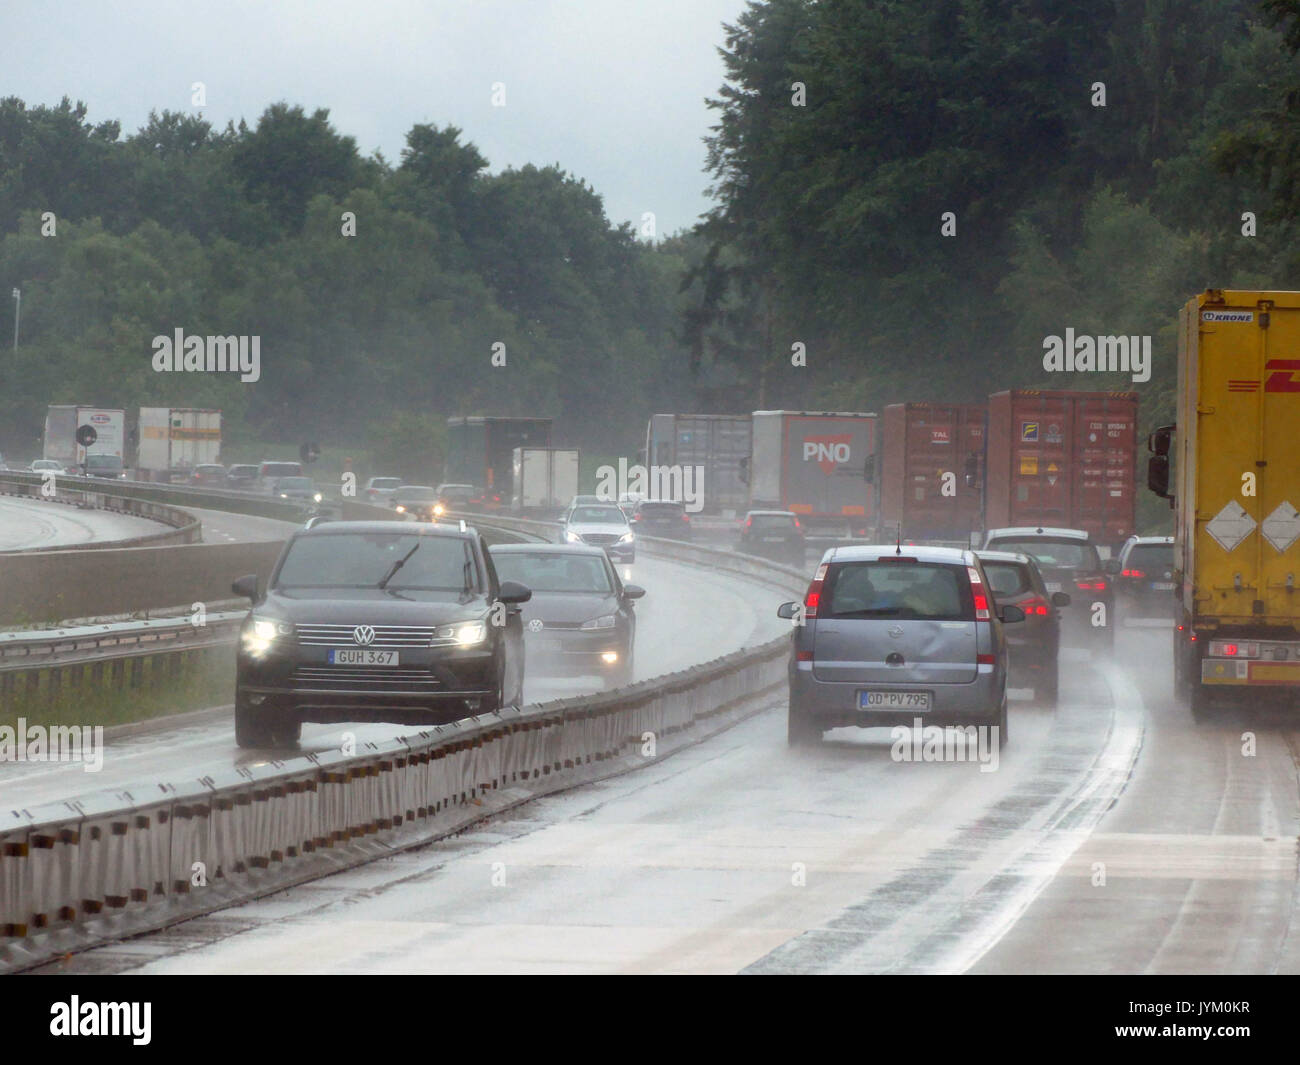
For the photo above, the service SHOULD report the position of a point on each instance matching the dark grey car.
(891, 636)
(376, 621)
(580, 620)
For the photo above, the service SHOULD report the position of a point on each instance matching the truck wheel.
(800, 732)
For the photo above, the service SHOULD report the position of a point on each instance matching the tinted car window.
(1071, 554)
(293, 482)
(772, 522)
(661, 510)
(903, 590)
(360, 560)
(1007, 578)
(548, 572)
(598, 516)
(280, 469)
(416, 495)
(103, 462)
(1151, 557)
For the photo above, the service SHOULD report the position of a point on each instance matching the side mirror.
(1112, 566)
(786, 610)
(245, 587)
(633, 591)
(1158, 475)
(514, 592)
(1060, 599)
(1011, 614)
(1158, 441)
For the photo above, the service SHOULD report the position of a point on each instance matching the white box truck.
(545, 478)
(103, 431)
(173, 440)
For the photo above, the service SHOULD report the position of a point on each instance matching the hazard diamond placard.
(1282, 527)
(1230, 526)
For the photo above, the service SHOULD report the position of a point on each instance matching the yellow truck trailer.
(1236, 454)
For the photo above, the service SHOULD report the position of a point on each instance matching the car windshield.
(294, 482)
(552, 571)
(416, 495)
(458, 491)
(103, 462)
(1060, 554)
(1151, 557)
(661, 510)
(386, 482)
(360, 560)
(896, 590)
(598, 516)
(772, 522)
(281, 469)
(1007, 578)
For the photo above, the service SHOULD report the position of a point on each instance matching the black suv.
(661, 517)
(1144, 576)
(773, 534)
(372, 621)
(1035, 646)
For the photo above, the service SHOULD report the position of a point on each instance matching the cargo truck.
(91, 439)
(544, 478)
(480, 451)
(930, 458)
(171, 441)
(1063, 459)
(717, 446)
(1235, 491)
(820, 465)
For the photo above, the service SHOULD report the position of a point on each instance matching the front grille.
(385, 636)
(600, 539)
(348, 678)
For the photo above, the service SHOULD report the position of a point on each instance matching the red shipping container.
(926, 451)
(1065, 459)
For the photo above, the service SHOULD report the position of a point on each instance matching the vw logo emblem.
(363, 635)
(535, 625)
(895, 631)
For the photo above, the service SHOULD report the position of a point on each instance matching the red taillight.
(1039, 607)
(1092, 585)
(986, 660)
(977, 591)
(686, 517)
(1229, 648)
(803, 656)
(796, 524)
(1132, 573)
(813, 598)
(749, 523)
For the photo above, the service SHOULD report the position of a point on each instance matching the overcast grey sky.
(611, 90)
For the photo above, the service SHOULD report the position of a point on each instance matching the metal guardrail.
(96, 868)
(185, 527)
(44, 647)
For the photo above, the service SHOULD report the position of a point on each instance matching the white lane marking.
(1082, 809)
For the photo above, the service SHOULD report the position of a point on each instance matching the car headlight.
(284, 495)
(438, 509)
(626, 538)
(318, 497)
(606, 621)
(269, 629)
(572, 537)
(400, 509)
(465, 633)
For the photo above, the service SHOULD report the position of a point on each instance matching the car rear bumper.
(834, 704)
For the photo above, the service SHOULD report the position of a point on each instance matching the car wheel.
(800, 732)
(1000, 720)
(251, 726)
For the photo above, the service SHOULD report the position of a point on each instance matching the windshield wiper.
(467, 576)
(392, 570)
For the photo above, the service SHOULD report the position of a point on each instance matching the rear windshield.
(662, 510)
(903, 590)
(103, 462)
(1007, 578)
(1151, 557)
(775, 522)
(386, 482)
(458, 491)
(1061, 554)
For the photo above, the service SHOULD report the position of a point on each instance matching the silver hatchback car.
(892, 634)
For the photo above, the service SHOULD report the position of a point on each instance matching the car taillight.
(796, 524)
(749, 523)
(686, 517)
(813, 598)
(1091, 584)
(1040, 607)
(986, 660)
(803, 656)
(977, 591)
(1132, 573)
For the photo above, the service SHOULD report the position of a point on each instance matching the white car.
(379, 490)
(46, 464)
(601, 525)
